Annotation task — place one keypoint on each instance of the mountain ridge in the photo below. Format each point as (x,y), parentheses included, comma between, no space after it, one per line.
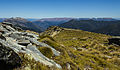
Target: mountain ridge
(93,26)
(24,24)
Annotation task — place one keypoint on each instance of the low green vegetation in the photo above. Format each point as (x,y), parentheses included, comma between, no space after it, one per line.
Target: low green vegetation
(46,36)
(46,51)
(84,50)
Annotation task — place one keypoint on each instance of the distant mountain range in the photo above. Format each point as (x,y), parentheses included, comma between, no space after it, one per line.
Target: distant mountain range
(98,19)
(47,22)
(107,26)
(99,25)
(2,19)
(24,24)
(38,25)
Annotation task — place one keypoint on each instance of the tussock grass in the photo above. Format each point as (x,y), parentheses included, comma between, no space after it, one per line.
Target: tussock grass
(84,50)
(46,51)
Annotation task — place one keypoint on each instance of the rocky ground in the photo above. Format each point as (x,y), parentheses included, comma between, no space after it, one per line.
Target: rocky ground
(13,41)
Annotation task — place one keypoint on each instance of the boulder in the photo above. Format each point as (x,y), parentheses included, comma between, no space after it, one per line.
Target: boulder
(18,28)
(68,66)
(8,58)
(14,35)
(7,23)
(114,41)
(24,42)
(34,41)
(2,37)
(9,28)
(1,31)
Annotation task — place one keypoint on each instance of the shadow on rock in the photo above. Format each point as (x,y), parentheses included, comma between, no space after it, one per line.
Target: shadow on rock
(8,58)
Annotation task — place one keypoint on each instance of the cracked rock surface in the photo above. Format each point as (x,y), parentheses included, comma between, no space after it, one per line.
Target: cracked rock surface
(22,42)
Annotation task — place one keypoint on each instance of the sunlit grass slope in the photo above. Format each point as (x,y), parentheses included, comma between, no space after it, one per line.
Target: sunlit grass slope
(82,50)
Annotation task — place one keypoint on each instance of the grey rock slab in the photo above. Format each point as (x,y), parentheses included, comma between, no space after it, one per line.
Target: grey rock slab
(3,29)
(17,34)
(14,39)
(2,37)
(10,28)
(35,50)
(55,52)
(8,58)
(24,42)
(32,51)
(7,23)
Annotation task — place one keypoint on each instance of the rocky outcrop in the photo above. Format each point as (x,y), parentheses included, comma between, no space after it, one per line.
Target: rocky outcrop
(8,58)
(114,41)
(24,42)
(2,37)
(52,31)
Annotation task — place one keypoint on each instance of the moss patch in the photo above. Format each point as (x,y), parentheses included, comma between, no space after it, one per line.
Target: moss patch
(46,51)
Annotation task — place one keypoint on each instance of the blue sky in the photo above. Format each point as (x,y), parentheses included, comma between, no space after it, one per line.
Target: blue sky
(60,8)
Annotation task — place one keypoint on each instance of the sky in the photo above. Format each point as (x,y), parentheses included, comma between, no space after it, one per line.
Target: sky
(60,8)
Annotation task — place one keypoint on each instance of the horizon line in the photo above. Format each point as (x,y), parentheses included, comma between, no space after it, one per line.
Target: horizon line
(60,17)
